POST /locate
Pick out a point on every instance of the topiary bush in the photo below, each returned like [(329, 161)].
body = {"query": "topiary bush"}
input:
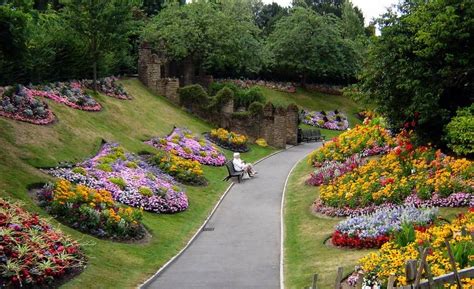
[(249, 96), (214, 87), (192, 95), (222, 97), (460, 131), (256, 108)]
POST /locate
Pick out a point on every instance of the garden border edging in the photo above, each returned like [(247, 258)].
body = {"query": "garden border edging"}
[(206, 221)]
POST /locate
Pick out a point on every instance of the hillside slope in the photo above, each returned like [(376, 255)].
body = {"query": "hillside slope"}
[(77, 135)]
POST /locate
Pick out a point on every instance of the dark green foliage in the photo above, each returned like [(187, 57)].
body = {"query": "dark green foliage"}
[(461, 251), (215, 86), (420, 70), (266, 15), (246, 97), (256, 108), (193, 95), (460, 132), (223, 97)]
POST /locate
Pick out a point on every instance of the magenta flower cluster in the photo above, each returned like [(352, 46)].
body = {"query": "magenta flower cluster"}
[(183, 143), (130, 180), (329, 170), (454, 200), (109, 86), (333, 120), (70, 93)]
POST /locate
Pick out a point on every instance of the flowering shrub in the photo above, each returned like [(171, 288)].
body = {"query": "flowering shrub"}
[(183, 143), (32, 253), (329, 170), (17, 103), (261, 142), (228, 139), (370, 231), (186, 171), (109, 86), (130, 180), (333, 120), (394, 177), (365, 140), (70, 93), (391, 257), (91, 211)]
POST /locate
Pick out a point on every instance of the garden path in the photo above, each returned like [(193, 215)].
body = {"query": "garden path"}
[(240, 247)]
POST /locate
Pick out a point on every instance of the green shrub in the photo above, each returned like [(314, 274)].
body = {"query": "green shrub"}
[(249, 96), (79, 170), (460, 131), (256, 108), (216, 86), (192, 95), (145, 191), (119, 182), (222, 97)]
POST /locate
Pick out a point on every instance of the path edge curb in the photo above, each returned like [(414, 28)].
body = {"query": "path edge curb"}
[(282, 224), (198, 232)]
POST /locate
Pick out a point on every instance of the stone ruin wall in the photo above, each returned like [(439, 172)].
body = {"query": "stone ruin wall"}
[(278, 126)]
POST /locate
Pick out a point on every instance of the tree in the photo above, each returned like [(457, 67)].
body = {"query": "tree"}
[(312, 45), (102, 24), (266, 15), (420, 69), (214, 36)]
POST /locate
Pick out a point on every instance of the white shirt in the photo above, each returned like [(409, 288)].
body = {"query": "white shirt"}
[(239, 165)]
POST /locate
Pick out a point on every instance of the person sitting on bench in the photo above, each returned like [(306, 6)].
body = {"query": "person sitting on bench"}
[(240, 165)]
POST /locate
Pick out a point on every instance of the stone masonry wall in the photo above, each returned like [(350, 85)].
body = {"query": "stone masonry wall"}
[(278, 126)]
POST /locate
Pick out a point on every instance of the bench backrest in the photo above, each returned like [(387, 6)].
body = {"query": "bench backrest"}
[(230, 167)]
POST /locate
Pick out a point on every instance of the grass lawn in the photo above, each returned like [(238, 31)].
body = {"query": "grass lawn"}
[(76, 136), (305, 252), (315, 101)]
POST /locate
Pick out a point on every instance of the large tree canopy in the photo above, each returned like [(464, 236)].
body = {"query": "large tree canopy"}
[(421, 68), (218, 36), (313, 45)]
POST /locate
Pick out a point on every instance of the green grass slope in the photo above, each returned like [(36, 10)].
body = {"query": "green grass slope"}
[(315, 101), (76, 136)]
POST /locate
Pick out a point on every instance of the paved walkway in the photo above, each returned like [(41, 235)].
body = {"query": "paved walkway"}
[(243, 250)]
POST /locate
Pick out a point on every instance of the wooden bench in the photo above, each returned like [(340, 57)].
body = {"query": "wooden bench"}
[(232, 172), (307, 135)]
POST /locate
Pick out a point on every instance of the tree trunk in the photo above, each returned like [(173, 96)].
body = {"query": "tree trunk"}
[(303, 79), (94, 68), (95, 59)]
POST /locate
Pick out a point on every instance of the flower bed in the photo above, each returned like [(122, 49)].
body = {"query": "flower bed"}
[(391, 258), (247, 83), (130, 180), (365, 140), (228, 140), (110, 87), (372, 231), (434, 177), (70, 93), (17, 103), (91, 211), (330, 170), (186, 171), (32, 253), (183, 143), (333, 120)]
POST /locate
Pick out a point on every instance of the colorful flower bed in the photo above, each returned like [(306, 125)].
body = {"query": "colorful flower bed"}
[(435, 178), (333, 120), (70, 93), (247, 83), (229, 140), (17, 103), (109, 86), (91, 211), (391, 257), (32, 253), (330, 170), (372, 231), (366, 140), (183, 143), (130, 180), (186, 171)]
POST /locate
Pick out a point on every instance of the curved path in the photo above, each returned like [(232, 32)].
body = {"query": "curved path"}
[(240, 246)]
